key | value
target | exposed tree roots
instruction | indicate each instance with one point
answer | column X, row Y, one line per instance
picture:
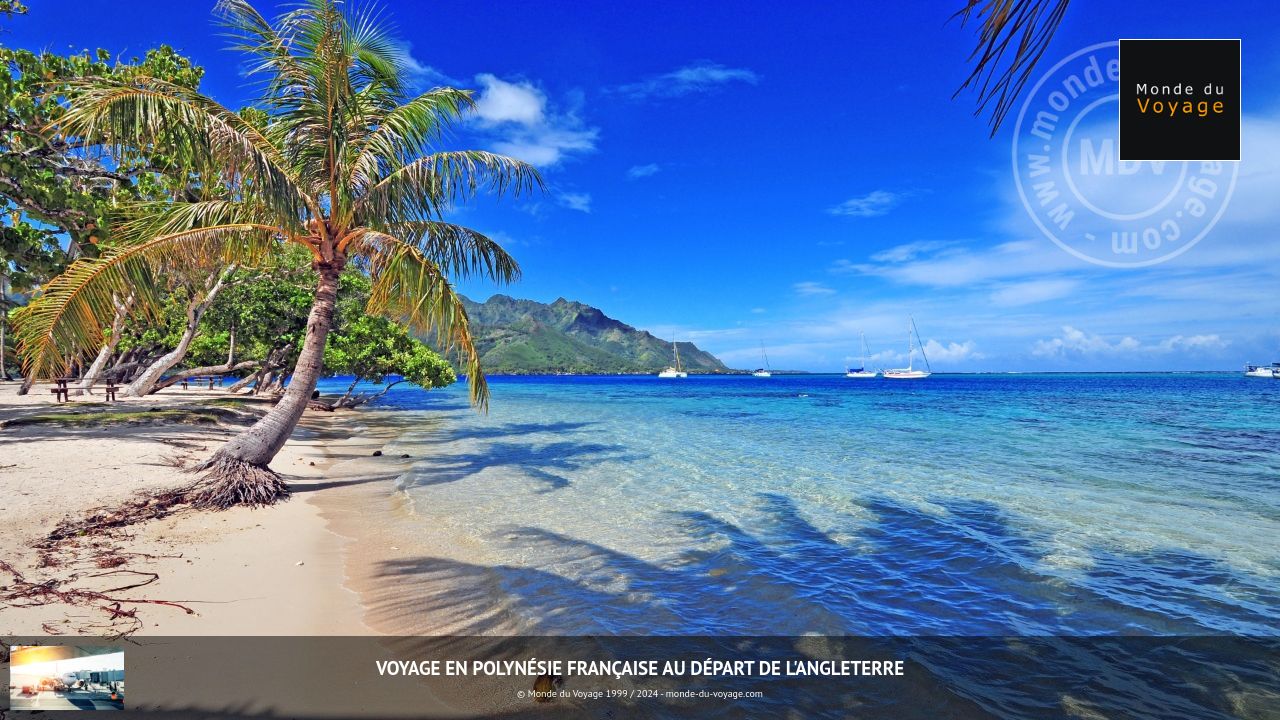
column 82, row 554
column 139, row 508
column 228, row 482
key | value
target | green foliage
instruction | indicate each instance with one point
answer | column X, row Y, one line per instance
column 9, row 8
column 58, row 197
column 267, row 308
column 55, row 180
column 369, row 347
column 28, row 256
column 373, row 348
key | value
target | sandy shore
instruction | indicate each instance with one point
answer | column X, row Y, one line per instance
column 314, row 566
column 242, row 571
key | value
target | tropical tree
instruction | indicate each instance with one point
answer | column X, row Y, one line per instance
column 56, row 196
column 340, row 160
column 370, row 348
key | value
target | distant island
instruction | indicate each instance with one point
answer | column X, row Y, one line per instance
column 524, row 337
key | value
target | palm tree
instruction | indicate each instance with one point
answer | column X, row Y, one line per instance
column 336, row 157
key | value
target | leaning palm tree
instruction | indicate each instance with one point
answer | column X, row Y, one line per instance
column 336, row 156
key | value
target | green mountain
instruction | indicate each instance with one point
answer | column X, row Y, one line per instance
column 523, row 337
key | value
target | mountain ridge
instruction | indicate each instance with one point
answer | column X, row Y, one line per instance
column 525, row 337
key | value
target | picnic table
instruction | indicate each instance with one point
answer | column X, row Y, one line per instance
column 201, row 380
column 60, row 389
column 63, row 393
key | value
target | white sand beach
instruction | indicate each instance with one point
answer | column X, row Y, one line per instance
column 242, row 571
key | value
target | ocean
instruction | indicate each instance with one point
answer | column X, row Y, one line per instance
column 961, row 505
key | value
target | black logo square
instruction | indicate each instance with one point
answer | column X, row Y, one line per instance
column 1180, row 100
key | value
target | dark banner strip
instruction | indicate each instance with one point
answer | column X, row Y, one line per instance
column 613, row 677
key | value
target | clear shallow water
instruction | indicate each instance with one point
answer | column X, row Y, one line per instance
column 958, row 505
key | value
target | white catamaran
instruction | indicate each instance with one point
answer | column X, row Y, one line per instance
column 676, row 371
column 765, row 371
column 909, row 372
column 1263, row 371
column 861, row 371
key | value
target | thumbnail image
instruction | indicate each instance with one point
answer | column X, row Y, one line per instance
column 66, row 677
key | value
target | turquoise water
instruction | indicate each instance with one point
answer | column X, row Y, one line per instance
column 958, row 505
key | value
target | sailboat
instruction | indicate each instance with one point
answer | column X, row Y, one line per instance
column 861, row 371
column 909, row 372
column 676, row 371
column 766, row 370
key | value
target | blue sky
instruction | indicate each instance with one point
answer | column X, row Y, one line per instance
column 747, row 171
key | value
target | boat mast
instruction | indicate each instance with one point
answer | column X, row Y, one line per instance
column 926, row 357
column 863, row 337
column 764, row 356
column 676, row 348
column 911, row 349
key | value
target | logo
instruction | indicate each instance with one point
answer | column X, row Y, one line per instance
column 1082, row 196
column 1180, row 99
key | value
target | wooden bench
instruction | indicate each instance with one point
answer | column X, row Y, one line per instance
column 201, row 380
column 60, row 389
column 110, row 390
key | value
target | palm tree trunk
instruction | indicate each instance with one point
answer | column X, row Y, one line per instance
column 237, row 472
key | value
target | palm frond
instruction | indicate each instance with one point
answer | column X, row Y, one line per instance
column 458, row 251
column 427, row 186
column 406, row 132
column 142, row 221
column 66, row 320
column 1013, row 37
column 145, row 113
column 409, row 288
column 255, row 36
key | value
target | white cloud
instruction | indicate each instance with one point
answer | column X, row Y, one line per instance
column 696, row 77
column 516, row 116
column 943, row 265
column 1194, row 342
column 758, row 311
column 501, row 101
column 424, row 75
column 810, row 288
column 952, row 352
column 873, row 204
column 1073, row 341
column 575, row 201
column 643, row 171
column 1078, row 342
column 1031, row 292
column 910, row 251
